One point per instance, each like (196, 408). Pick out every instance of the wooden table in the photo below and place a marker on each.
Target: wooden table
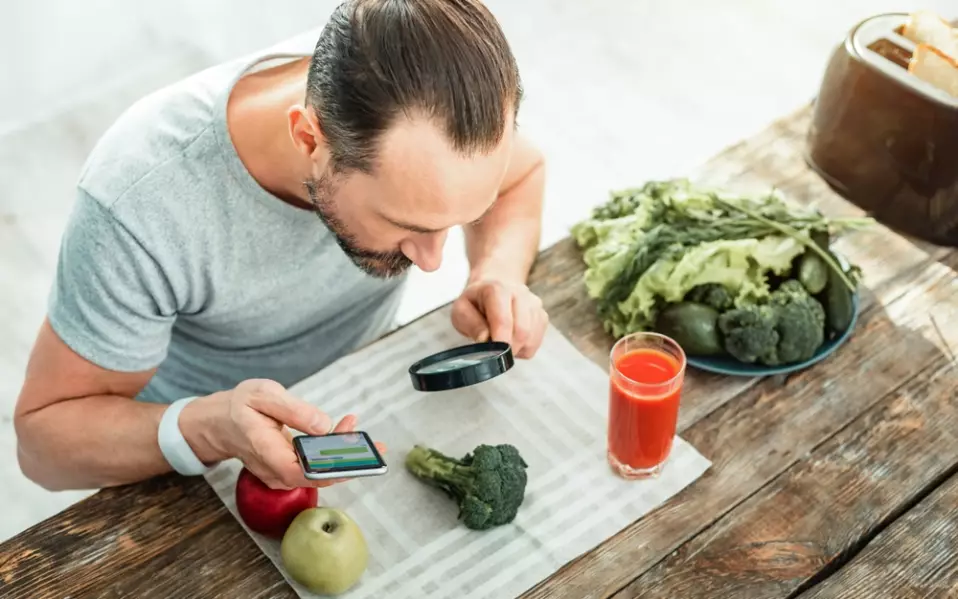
(837, 482)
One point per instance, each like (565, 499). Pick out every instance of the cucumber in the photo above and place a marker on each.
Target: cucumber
(839, 302)
(813, 272)
(693, 326)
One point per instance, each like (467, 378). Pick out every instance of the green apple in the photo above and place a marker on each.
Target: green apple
(324, 550)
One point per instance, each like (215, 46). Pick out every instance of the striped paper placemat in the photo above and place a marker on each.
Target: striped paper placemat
(552, 408)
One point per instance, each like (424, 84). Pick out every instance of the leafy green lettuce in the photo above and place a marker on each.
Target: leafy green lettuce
(650, 245)
(742, 266)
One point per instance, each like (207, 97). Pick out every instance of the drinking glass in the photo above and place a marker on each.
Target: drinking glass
(646, 375)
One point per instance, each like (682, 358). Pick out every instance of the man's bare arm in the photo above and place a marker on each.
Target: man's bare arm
(78, 426)
(503, 245)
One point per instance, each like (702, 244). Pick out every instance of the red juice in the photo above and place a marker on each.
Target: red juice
(646, 384)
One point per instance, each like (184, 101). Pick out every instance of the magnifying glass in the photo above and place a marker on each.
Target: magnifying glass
(461, 366)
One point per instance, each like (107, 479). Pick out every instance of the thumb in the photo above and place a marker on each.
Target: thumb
(286, 408)
(468, 320)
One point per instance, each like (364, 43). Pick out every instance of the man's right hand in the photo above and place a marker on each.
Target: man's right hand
(248, 422)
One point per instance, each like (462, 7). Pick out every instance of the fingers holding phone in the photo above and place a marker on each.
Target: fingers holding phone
(255, 427)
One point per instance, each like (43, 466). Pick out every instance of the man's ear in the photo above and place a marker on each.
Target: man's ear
(305, 132)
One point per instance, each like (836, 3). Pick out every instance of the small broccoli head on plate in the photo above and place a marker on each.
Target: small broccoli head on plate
(786, 329)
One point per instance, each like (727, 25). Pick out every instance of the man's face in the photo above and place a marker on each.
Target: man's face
(399, 215)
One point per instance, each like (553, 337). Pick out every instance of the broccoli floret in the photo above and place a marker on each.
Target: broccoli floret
(711, 294)
(489, 484)
(789, 328)
(800, 324)
(749, 333)
(790, 288)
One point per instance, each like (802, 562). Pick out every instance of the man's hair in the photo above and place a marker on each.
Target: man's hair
(379, 60)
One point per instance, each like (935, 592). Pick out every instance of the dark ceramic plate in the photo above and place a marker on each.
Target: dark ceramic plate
(731, 366)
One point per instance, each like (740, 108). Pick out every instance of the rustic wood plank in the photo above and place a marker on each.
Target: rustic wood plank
(218, 567)
(106, 537)
(828, 506)
(755, 437)
(914, 558)
(890, 269)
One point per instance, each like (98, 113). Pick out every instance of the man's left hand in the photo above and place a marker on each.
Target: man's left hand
(491, 310)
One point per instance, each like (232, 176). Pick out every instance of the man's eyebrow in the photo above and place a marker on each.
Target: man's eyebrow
(428, 230)
(412, 227)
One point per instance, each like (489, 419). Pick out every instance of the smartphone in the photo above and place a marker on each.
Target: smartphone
(338, 455)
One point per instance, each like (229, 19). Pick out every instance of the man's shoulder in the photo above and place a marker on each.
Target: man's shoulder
(154, 136)
(160, 133)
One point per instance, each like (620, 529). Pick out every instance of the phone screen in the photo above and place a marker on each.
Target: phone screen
(338, 452)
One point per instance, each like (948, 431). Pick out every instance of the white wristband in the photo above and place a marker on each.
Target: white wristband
(175, 449)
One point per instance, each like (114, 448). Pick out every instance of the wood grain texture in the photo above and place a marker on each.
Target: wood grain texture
(106, 537)
(826, 507)
(216, 564)
(763, 432)
(173, 536)
(915, 558)
(893, 265)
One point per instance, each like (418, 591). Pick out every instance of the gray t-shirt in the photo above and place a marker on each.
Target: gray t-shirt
(175, 257)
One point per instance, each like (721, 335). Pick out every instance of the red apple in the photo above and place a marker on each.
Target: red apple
(270, 511)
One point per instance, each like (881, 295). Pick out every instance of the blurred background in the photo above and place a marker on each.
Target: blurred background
(618, 91)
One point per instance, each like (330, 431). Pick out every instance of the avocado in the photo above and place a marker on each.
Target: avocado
(693, 326)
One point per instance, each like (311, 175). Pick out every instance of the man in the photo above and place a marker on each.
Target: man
(194, 269)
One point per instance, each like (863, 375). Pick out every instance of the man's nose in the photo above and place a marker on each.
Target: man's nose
(427, 248)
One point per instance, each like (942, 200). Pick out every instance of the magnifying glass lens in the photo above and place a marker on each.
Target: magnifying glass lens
(457, 362)
(461, 366)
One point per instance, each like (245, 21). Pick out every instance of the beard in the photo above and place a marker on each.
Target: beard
(382, 265)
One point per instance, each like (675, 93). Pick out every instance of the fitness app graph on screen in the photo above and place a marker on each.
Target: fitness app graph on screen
(338, 452)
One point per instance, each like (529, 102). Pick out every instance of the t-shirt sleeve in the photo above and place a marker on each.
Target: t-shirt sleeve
(110, 302)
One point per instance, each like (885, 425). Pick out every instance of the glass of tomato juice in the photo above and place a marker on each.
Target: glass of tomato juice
(647, 371)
